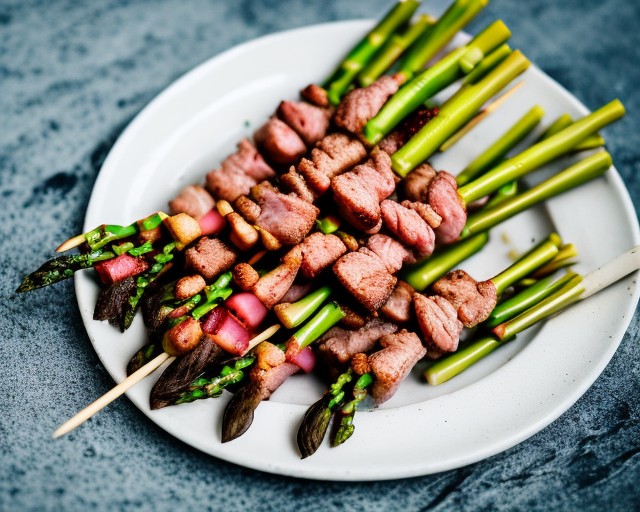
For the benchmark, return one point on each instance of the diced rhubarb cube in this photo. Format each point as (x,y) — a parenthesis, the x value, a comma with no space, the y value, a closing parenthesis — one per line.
(119,268)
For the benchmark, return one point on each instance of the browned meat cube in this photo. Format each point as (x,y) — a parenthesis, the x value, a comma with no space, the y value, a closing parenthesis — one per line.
(272,287)
(425,211)
(391,365)
(438,322)
(193,200)
(473,301)
(247,208)
(392,252)
(308,121)
(280,143)
(399,307)
(294,183)
(416,185)
(445,201)
(249,161)
(318,252)
(360,105)
(188,286)
(315,95)
(365,277)
(287,217)
(358,204)
(408,227)
(209,257)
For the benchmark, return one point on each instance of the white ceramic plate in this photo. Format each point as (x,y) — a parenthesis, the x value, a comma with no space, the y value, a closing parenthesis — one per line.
(195,123)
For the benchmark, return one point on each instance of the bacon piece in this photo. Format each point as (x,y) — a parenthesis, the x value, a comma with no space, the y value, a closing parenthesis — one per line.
(399,307)
(287,217)
(473,301)
(408,227)
(308,121)
(391,365)
(445,201)
(279,142)
(360,105)
(333,155)
(438,322)
(193,200)
(318,252)
(209,257)
(238,173)
(365,276)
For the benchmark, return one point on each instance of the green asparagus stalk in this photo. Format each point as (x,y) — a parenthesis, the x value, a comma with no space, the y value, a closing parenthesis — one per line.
(328,316)
(585,170)
(293,314)
(316,420)
(391,51)
(455,112)
(215,293)
(338,84)
(541,153)
(499,149)
(457,16)
(348,410)
(592,142)
(486,65)
(433,80)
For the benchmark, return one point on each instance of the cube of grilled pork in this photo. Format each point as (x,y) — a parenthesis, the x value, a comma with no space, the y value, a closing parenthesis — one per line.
(409,227)
(415,187)
(308,121)
(279,142)
(315,95)
(365,276)
(392,252)
(193,200)
(272,287)
(473,301)
(438,322)
(391,365)
(445,201)
(238,173)
(318,252)
(361,104)
(399,307)
(338,345)
(285,216)
(210,257)
(333,155)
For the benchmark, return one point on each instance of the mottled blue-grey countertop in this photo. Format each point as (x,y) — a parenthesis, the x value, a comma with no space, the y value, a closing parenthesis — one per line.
(72,75)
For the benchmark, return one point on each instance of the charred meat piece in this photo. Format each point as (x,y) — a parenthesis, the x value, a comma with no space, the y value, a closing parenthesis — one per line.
(445,201)
(390,366)
(333,155)
(399,307)
(279,142)
(425,211)
(415,187)
(193,200)
(209,257)
(287,217)
(474,301)
(408,227)
(392,252)
(358,192)
(438,322)
(338,345)
(365,276)
(238,173)
(294,183)
(315,95)
(249,210)
(360,105)
(113,299)
(308,121)
(188,286)
(183,371)
(318,252)
(272,287)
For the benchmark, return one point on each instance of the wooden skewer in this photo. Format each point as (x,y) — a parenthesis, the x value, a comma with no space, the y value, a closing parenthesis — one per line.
(133,379)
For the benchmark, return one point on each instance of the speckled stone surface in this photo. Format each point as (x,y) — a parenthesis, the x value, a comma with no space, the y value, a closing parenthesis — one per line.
(72,75)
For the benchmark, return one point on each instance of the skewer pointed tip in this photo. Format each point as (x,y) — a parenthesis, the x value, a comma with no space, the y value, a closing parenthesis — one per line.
(71,243)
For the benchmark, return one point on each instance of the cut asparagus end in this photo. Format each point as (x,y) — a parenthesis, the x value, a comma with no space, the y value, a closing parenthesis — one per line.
(293,314)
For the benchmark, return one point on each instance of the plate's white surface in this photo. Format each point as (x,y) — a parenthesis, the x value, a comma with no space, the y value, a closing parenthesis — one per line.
(519,389)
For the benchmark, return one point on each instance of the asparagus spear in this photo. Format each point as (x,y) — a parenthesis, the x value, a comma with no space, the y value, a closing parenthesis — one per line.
(339,82)
(433,80)
(347,412)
